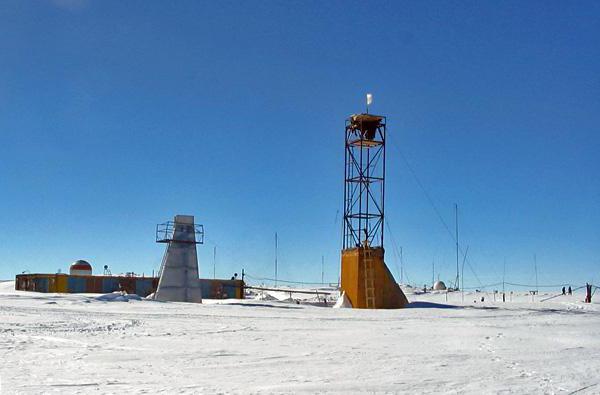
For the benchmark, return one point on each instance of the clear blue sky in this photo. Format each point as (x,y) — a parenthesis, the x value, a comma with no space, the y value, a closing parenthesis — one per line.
(117,115)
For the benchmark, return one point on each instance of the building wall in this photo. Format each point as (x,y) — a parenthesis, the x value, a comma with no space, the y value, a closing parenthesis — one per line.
(222,289)
(142,286)
(66,283)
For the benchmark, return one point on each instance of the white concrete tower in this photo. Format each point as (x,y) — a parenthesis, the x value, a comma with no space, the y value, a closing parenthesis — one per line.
(179,280)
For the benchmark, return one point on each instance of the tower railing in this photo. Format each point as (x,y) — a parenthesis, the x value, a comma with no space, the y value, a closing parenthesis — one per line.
(165,232)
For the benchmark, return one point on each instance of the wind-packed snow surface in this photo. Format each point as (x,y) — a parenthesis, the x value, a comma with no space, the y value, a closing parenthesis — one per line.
(51,343)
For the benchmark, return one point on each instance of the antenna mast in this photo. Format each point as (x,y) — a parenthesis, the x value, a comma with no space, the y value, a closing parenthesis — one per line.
(401,267)
(504,276)
(215,262)
(456,282)
(432,272)
(537,291)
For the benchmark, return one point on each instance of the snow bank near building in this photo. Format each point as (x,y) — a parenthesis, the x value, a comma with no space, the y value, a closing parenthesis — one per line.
(264,295)
(289,296)
(342,302)
(7,286)
(118,297)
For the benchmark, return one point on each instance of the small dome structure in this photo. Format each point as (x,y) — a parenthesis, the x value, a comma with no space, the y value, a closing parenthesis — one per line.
(439,286)
(80,268)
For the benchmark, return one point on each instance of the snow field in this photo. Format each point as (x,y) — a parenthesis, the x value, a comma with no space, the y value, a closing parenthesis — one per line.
(78,343)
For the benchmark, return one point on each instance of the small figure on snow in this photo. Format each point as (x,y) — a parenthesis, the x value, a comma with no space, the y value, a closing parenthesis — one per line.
(588,293)
(570,291)
(563,291)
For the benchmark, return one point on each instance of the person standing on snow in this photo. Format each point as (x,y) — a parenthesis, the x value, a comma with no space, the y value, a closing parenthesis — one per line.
(588,293)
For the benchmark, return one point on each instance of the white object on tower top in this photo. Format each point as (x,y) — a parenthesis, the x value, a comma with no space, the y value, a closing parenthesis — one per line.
(369,99)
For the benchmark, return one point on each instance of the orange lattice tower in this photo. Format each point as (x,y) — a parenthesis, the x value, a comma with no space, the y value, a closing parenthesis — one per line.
(366,280)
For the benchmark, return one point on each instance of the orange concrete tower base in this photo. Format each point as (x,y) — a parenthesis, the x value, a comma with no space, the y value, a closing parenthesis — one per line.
(368,282)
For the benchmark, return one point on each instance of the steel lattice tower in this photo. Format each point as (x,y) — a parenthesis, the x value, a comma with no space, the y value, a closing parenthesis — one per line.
(364,181)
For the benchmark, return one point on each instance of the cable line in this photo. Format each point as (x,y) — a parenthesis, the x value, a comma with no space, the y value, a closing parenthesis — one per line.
(284,281)
(435,209)
(396,252)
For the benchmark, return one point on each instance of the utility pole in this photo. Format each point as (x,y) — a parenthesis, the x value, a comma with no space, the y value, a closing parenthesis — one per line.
(456,282)
(537,291)
(432,272)
(322,269)
(401,267)
(275,259)
(215,262)
(462,275)
(503,281)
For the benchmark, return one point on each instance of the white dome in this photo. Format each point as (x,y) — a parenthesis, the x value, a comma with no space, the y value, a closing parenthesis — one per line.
(439,286)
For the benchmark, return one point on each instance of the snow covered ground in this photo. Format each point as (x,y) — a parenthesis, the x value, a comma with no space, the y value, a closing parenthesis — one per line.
(51,343)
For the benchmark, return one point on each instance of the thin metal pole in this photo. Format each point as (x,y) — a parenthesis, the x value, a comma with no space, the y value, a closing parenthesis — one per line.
(215,262)
(456,282)
(462,275)
(322,269)
(536,273)
(432,272)
(503,279)
(401,267)
(275,259)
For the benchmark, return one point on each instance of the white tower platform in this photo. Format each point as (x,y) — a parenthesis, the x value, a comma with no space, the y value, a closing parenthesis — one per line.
(179,280)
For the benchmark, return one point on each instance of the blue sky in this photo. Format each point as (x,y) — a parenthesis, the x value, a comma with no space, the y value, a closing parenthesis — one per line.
(117,115)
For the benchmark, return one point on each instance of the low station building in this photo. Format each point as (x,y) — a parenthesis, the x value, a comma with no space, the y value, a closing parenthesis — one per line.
(81,280)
